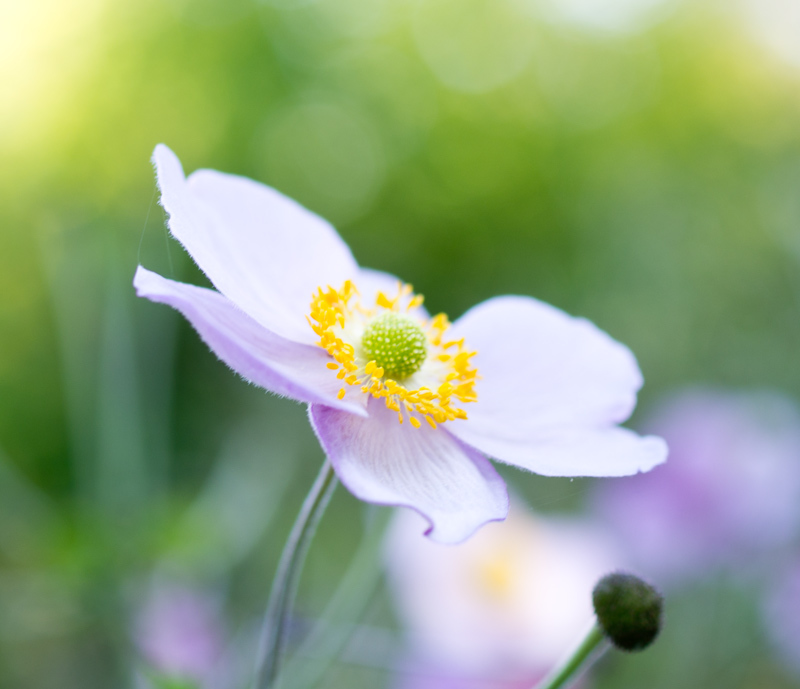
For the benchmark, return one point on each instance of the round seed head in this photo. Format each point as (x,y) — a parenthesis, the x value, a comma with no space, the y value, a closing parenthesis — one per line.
(628,610)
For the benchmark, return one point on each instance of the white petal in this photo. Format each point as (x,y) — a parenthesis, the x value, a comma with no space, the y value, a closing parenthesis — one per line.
(454,487)
(609,452)
(550,385)
(279,365)
(262,250)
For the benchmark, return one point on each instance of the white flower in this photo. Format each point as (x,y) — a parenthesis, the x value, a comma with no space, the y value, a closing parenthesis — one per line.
(409,423)
(503,607)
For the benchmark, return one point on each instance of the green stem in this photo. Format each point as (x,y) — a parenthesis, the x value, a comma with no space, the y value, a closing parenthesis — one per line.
(591,645)
(284,587)
(319,650)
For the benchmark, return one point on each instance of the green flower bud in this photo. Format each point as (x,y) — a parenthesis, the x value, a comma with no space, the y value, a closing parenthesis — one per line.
(629,610)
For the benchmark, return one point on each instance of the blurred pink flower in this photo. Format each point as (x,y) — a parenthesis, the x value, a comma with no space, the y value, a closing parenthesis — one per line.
(499,611)
(296,315)
(179,632)
(731,488)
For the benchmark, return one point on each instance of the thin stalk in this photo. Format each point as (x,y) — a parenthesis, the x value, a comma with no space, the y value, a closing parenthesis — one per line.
(287,578)
(332,632)
(591,647)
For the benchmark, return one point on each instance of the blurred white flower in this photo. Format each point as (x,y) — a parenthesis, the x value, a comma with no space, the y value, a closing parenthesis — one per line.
(501,609)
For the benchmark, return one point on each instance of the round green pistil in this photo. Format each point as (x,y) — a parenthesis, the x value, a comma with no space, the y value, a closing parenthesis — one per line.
(396,343)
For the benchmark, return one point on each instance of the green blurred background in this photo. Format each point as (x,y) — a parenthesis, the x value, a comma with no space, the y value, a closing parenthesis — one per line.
(633,161)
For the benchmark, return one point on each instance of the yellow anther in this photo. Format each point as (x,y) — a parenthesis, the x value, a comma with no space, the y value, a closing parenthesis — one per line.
(384,301)
(454,343)
(449,374)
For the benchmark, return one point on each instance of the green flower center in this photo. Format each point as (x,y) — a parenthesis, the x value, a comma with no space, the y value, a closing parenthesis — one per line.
(396,343)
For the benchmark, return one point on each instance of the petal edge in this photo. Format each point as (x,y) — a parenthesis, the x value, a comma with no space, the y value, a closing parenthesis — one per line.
(454,487)
(284,367)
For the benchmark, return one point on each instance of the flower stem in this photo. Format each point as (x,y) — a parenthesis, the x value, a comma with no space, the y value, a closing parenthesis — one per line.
(306,668)
(287,578)
(563,674)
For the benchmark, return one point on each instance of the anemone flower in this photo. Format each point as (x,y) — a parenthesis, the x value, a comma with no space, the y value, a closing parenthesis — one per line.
(499,611)
(406,406)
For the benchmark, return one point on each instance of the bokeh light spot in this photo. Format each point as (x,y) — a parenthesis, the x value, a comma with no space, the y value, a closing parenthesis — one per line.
(473,45)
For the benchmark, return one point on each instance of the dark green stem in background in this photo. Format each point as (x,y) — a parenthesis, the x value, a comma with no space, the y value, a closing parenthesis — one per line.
(563,675)
(287,578)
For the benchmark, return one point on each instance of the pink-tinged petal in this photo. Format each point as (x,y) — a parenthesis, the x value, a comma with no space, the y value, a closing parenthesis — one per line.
(551,385)
(272,362)
(609,452)
(262,250)
(379,460)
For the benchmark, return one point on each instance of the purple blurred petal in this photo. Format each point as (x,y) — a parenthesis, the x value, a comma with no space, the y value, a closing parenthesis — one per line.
(730,489)
(552,389)
(379,460)
(281,366)
(420,675)
(262,250)
(179,632)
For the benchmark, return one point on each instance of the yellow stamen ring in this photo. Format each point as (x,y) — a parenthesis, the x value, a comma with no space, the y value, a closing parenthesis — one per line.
(375,347)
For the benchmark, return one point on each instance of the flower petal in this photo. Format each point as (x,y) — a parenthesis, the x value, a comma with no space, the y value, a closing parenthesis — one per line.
(379,460)
(551,384)
(281,366)
(262,250)
(610,452)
